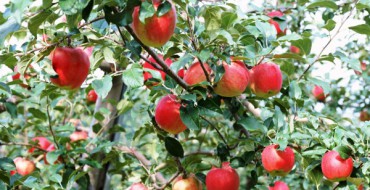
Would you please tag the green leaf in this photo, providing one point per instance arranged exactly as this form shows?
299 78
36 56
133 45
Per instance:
37 113
228 18
164 8
11 108
327 4
87 10
344 151
6 164
103 86
56 178
71 7
31 182
361 29
177 65
9 26
314 152
8 59
173 147
52 156
330 25
294 90
190 116
133 77
304 45
146 11
319 82
252 124
123 106
289 56
37 20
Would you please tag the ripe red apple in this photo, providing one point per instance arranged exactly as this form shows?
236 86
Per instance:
138 186
147 65
364 116
195 74
334 167
266 80
92 96
222 178
167 114
318 93
360 187
277 162
181 73
43 143
23 166
363 68
279 185
156 31
17 76
72 66
295 49
234 81
273 22
78 135
189 183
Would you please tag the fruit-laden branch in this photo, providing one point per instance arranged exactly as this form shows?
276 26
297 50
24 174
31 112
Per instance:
165 68
22 144
330 40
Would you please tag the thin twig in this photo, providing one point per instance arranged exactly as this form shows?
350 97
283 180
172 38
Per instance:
218 132
330 40
49 123
22 144
91 21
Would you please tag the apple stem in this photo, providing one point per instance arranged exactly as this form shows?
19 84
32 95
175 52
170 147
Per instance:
165 68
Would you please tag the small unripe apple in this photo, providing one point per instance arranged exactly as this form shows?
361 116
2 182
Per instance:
138 186
295 49
78 135
43 143
334 167
147 65
189 183
23 166
195 74
234 81
266 80
273 22
279 185
222 178
277 162
92 96
156 30
363 68
71 65
364 116
167 114
318 93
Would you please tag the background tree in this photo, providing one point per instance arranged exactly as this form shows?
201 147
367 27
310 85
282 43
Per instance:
174 88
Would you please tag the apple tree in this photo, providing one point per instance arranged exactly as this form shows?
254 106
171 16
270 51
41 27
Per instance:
184 94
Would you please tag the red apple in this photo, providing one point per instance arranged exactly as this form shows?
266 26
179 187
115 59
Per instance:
334 167
278 14
167 114
364 116
189 183
23 166
17 76
277 162
360 187
43 143
156 31
279 185
72 66
181 73
266 80
295 49
363 68
78 135
195 74
92 96
222 178
234 81
138 186
318 93
147 65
